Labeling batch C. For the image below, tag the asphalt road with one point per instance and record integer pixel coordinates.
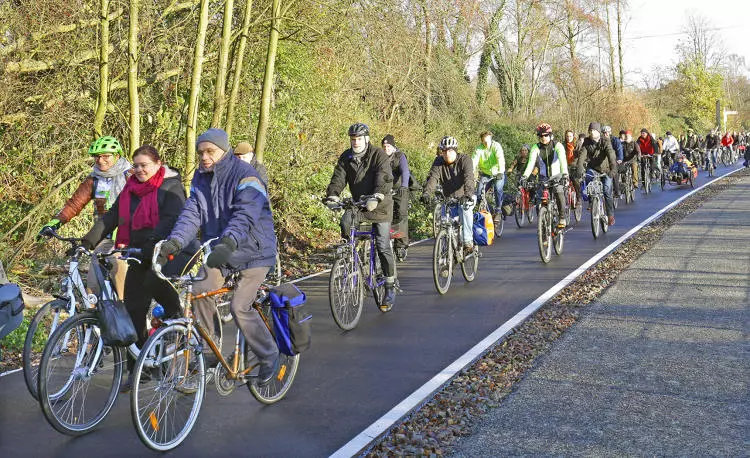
(346, 380)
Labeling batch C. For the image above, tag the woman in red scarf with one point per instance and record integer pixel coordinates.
(143, 214)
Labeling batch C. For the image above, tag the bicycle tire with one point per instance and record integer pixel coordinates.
(690, 179)
(83, 326)
(378, 292)
(604, 219)
(185, 371)
(578, 212)
(544, 234)
(437, 213)
(558, 236)
(442, 262)
(532, 213)
(595, 217)
(345, 291)
(470, 265)
(663, 180)
(520, 211)
(41, 325)
(499, 232)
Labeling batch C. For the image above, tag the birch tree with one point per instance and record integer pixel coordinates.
(221, 74)
(195, 86)
(135, 111)
(101, 106)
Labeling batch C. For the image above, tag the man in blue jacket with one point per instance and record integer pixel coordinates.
(229, 201)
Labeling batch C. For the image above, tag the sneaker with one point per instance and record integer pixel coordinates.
(401, 254)
(611, 220)
(267, 371)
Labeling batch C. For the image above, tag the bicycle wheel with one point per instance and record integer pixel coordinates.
(531, 214)
(604, 218)
(282, 382)
(470, 265)
(544, 234)
(499, 225)
(345, 290)
(79, 376)
(595, 216)
(442, 262)
(646, 180)
(437, 213)
(578, 212)
(520, 211)
(378, 292)
(690, 179)
(41, 327)
(168, 387)
(663, 180)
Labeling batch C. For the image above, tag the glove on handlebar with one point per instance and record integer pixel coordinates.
(221, 252)
(53, 225)
(169, 248)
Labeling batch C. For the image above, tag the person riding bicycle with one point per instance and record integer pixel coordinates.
(246, 152)
(649, 150)
(712, 146)
(229, 201)
(597, 155)
(670, 147)
(401, 179)
(144, 212)
(488, 161)
(550, 157)
(727, 141)
(366, 169)
(105, 182)
(615, 141)
(631, 154)
(454, 172)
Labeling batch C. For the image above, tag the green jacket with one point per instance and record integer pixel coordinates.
(489, 161)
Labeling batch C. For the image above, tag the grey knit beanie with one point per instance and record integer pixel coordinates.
(216, 136)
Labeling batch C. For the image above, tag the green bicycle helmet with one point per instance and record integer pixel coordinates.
(105, 145)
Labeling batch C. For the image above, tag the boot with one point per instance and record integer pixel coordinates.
(390, 296)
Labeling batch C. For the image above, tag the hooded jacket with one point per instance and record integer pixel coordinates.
(170, 198)
(457, 179)
(367, 174)
(550, 158)
(631, 150)
(230, 200)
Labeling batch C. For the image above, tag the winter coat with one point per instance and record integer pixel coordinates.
(598, 156)
(630, 151)
(550, 158)
(617, 146)
(367, 175)
(170, 198)
(457, 179)
(261, 169)
(230, 200)
(92, 188)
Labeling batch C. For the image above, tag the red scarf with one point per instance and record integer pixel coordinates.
(146, 214)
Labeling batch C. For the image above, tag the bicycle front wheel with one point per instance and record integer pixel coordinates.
(168, 388)
(437, 214)
(345, 291)
(596, 218)
(79, 376)
(544, 234)
(45, 321)
(442, 262)
(520, 212)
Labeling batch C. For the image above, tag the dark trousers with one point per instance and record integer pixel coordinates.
(400, 222)
(382, 242)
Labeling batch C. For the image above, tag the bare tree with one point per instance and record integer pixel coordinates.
(221, 74)
(238, 68)
(195, 86)
(102, 102)
(135, 111)
(265, 101)
(702, 43)
(619, 43)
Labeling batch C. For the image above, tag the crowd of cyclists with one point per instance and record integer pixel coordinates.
(140, 201)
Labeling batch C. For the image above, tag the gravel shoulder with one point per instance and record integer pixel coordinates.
(655, 365)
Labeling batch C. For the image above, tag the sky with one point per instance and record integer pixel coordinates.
(659, 23)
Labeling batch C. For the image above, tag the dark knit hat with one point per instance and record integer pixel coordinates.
(595, 126)
(644, 131)
(216, 136)
(389, 140)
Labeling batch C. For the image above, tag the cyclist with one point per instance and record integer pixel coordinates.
(489, 162)
(570, 146)
(649, 150)
(631, 153)
(727, 141)
(597, 155)
(615, 141)
(229, 201)
(670, 148)
(712, 146)
(366, 169)
(549, 156)
(105, 182)
(401, 178)
(246, 152)
(454, 172)
(143, 213)
(520, 162)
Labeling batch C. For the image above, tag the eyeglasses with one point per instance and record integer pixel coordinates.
(106, 157)
(145, 165)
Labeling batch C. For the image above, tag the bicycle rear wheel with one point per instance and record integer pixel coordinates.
(442, 262)
(544, 234)
(345, 290)
(45, 321)
(520, 212)
(168, 388)
(79, 376)
(470, 265)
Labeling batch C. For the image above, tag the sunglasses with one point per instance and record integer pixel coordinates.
(544, 135)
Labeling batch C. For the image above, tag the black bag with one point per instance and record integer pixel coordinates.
(115, 323)
(292, 326)
(11, 308)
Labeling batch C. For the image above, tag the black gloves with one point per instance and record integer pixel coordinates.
(169, 248)
(426, 199)
(221, 252)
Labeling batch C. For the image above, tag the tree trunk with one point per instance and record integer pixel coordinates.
(427, 67)
(101, 106)
(221, 73)
(195, 86)
(619, 44)
(265, 102)
(239, 57)
(611, 48)
(135, 110)
(486, 58)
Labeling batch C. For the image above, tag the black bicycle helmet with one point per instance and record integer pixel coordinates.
(359, 130)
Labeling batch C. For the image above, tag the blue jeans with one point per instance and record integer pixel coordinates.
(467, 222)
(607, 185)
(484, 182)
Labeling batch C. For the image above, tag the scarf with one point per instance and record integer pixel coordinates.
(146, 214)
(570, 151)
(117, 173)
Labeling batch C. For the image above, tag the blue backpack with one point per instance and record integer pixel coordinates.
(292, 326)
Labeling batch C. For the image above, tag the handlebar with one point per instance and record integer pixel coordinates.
(190, 278)
(348, 202)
